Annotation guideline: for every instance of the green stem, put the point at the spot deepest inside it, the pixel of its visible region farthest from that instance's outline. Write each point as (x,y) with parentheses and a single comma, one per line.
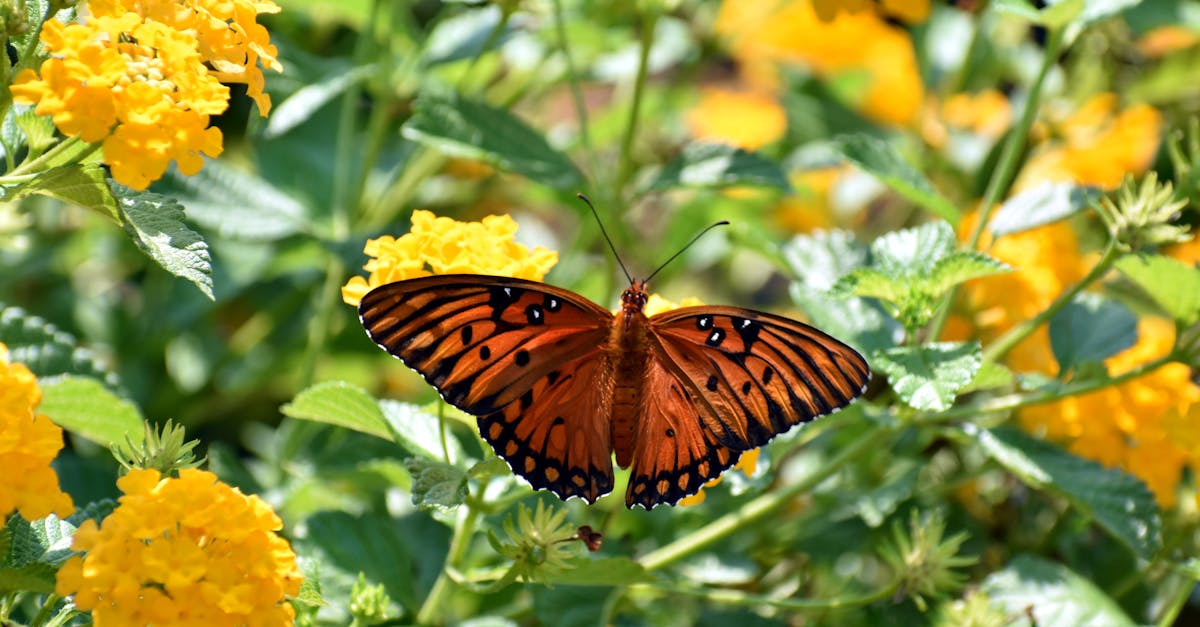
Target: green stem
(625,170)
(70,149)
(737,597)
(1005,343)
(464,527)
(1002,176)
(491,40)
(1175,602)
(1017,401)
(762,506)
(47,610)
(585,138)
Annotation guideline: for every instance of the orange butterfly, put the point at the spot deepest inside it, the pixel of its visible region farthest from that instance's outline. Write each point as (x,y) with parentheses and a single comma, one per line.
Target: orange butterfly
(560,384)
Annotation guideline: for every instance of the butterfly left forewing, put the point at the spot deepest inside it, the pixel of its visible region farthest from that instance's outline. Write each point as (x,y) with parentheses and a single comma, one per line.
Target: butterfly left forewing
(482,341)
(756,374)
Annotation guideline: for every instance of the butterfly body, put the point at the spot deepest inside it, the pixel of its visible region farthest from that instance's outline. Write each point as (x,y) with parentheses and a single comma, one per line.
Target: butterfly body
(561,385)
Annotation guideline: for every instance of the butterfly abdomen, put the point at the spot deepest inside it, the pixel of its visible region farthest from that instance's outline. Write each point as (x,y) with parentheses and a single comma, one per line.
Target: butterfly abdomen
(627,350)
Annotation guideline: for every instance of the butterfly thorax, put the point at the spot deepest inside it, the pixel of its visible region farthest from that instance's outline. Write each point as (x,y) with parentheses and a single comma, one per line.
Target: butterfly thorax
(627,353)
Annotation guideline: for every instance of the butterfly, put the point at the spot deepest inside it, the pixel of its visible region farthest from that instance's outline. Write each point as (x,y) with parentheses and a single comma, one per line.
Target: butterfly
(561,385)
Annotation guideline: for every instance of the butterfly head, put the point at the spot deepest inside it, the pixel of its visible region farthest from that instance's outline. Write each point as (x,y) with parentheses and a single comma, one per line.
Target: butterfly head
(634,298)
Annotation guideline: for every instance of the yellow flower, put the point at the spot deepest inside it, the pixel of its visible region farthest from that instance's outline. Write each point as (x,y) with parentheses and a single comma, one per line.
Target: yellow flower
(439,245)
(762,35)
(911,11)
(183,551)
(747,464)
(1095,145)
(1161,41)
(811,207)
(987,113)
(745,119)
(1147,426)
(28,443)
(140,80)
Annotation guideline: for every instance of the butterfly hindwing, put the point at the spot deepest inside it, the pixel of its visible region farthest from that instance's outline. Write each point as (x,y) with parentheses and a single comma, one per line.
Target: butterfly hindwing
(557,434)
(482,341)
(674,455)
(757,374)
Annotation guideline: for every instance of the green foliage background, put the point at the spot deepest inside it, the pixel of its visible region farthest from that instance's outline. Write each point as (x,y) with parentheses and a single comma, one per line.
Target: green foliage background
(232,324)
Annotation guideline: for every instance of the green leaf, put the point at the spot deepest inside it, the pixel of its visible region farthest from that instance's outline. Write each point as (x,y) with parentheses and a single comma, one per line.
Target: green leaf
(47,351)
(155,223)
(342,404)
(1118,501)
(880,159)
(928,377)
(464,36)
(32,552)
(236,203)
(1173,285)
(88,409)
(817,261)
(436,483)
(84,185)
(913,268)
(299,107)
(606,571)
(1051,594)
(38,129)
(1054,15)
(1091,328)
(416,429)
(470,129)
(1041,205)
(719,165)
(990,376)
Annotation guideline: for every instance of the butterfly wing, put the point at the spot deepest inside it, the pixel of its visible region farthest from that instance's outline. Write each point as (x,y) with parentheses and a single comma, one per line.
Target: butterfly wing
(754,375)
(673,454)
(482,341)
(525,357)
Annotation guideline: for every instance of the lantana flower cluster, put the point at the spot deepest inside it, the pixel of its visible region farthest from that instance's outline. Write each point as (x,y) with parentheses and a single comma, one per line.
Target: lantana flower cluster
(183,551)
(440,245)
(143,78)
(28,443)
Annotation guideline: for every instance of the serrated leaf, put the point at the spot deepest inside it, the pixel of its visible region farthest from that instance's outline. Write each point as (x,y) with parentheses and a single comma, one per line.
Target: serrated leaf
(436,483)
(871,283)
(914,251)
(1040,205)
(991,375)
(719,165)
(155,223)
(342,404)
(239,204)
(1051,594)
(960,267)
(929,377)
(416,429)
(465,128)
(83,185)
(606,571)
(880,159)
(32,553)
(1118,501)
(47,351)
(489,467)
(297,108)
(88,409)
(1091,328)
(1173,285)
(875,505)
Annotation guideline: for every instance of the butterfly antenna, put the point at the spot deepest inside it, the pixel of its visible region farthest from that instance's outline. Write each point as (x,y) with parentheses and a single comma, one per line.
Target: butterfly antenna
(606,237)
(689,245)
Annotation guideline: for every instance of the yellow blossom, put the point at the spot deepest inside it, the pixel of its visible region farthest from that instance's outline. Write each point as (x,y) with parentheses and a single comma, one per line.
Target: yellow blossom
(762,35)
(28,443)
(1096,145)
(1161,41)
(182,551)
(987,113)
(1145,426)
(440,245)
(748,463)
(911,11)
(745,119)
(810,207)
(144,79)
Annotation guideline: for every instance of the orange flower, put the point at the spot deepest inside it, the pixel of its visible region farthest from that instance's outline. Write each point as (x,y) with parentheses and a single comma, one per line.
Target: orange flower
(746,119)
(1096,145)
